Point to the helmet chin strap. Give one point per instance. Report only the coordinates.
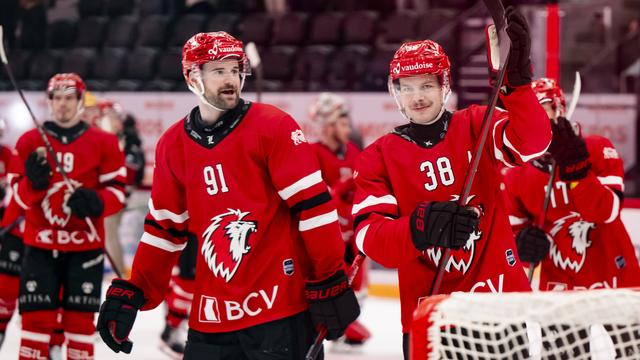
(199, 90)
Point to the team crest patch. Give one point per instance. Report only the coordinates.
(298, 137)
(54, 205)
(226, 242)
(511, 259)
(287, 267)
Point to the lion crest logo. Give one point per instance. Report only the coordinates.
(570, 227)
(226, 241)
(54, 205)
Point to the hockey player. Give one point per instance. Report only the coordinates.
(242, 178)
(63, 260)
(408, 181)
(337, 156)
(583, 243)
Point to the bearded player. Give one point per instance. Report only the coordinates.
(582, 244)
(242, 178)
(63, 259)
(407, 182)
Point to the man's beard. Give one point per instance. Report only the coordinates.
(218, 101)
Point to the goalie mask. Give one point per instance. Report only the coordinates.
(328, 108)
(212, 46)
(417, 58)
(547, 90)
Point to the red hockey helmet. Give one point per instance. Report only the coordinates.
(547, 90)
(419, 58)
(66, 82)
(211, 46)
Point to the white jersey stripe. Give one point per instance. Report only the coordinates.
(17, 197)
(374, 200)
(164, 214)
(615, 208)
(317, 221)
(302, 184)
(514, 220)
(122, 171)
(119, 194)
(524, 158)
(161, 243)
(81, 338)
(360, 238)
(33, 336)
(611, 180)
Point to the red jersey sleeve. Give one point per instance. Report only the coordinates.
(525, 132)
(165, 229)
(379, 233)
(112, 176)
(519, 215)
(295, 173)
(23, 193)
(597, 197)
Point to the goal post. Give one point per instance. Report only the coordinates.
(591, 324)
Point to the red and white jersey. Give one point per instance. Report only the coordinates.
(5, 158)
(255, 199)
(394, 174)
(92, 159)
(590, 246)
(12, 211)
(337, 172)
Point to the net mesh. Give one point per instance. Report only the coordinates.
(597, 324)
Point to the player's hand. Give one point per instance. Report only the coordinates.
(569, 150)
(118, 313)
(533, 244)
(85, 203)
(442, 223)
(332, 304)
(519, 70)
(37, 170)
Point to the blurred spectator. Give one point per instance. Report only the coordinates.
(276, 7)
(33, 24)
(8, 19)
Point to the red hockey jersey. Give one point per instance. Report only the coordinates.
(92, 159)
(255, 199)
(337, 172)
(5, 158)
(590, 247)
(394, 174)
(13, 211)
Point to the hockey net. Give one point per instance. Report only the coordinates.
(594, 324)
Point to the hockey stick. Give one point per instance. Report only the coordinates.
(575, 95)
(256, 64)
(65, 177)
(315, 348)
(497, 14)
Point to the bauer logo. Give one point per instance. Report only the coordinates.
(287, 266)
(209, 312)
(511, 259)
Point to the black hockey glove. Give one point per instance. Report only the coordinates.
(85, 203)
(442, 223)
(569, 150)
(38, 171)
(533, 244)
(332, 304)
(118, 313)
(519, 70)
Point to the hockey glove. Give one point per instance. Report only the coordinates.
(85, 203)
(38, 171)
(569, 151)
(332, 304)
(118, 313)
(519, 70)
(533, 244)
(442, 223)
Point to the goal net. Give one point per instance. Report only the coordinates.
(594, 324)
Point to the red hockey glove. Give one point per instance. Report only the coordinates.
(442, 223)
(332, 304)
(85, 203)
(118, 313)
(519, 70)
(569, 151)
(533, 244)
(38, 171)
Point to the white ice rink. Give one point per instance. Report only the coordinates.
(381, 316)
